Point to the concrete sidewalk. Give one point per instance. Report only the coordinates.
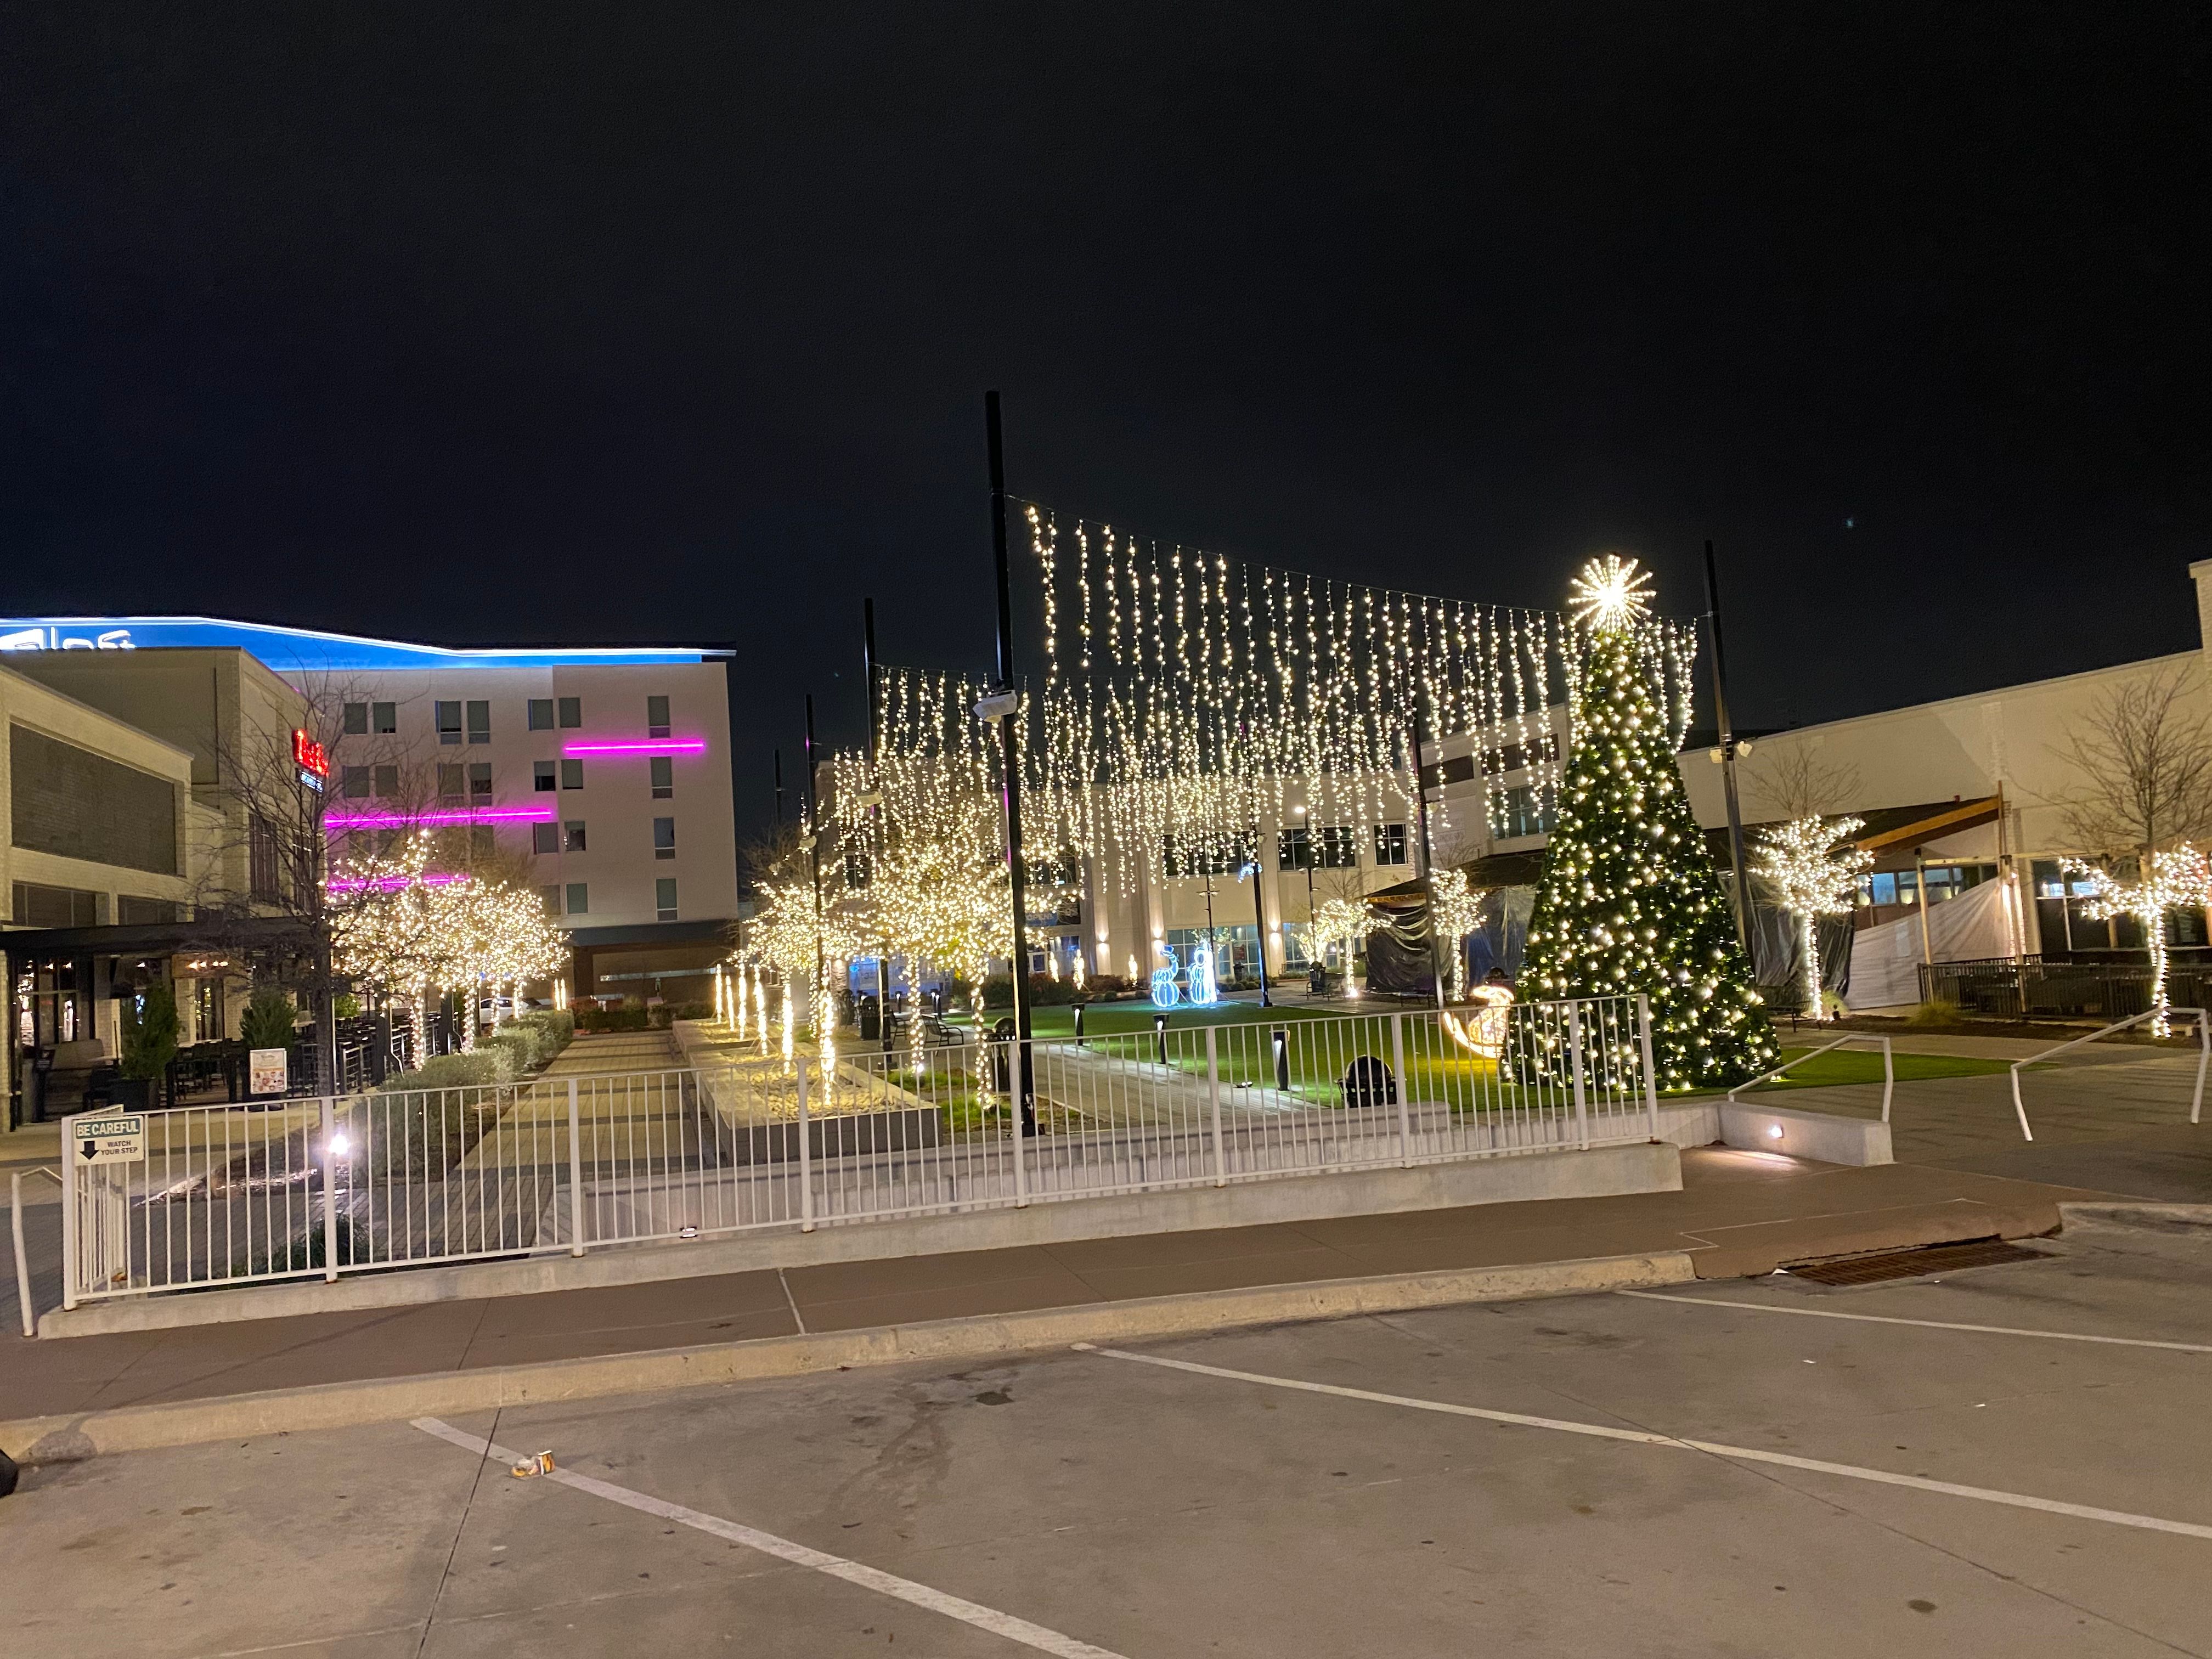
(1738, 1213)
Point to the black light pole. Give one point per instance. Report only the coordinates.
(1727, 754)
(875, 782)
(814, 848)
(779, 787)
(1428, 859)
(1009, 726)
(1260, 925)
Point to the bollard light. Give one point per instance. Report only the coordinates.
(1282, 1060)
(1160, 1036)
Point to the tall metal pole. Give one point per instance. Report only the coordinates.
(1740, 876)
(779, 787)
(1428, 858)
(1259, 929)
(876, 783)
(814, 839)
(1011, 749)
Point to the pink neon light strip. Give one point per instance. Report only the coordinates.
(401, 821)
(665, 746)
(392, 883)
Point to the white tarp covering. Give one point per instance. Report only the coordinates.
(1886, 960)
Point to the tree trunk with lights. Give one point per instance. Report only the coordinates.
(1630, 900)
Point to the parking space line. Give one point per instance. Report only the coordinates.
(836, 1566)
(1930, 1324)
(1644, 1437)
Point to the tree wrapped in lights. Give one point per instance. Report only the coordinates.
(404, 932)
(1454, 911)
(1813, 870)
(1629, 902)
(1339, 921)
(2176, 880)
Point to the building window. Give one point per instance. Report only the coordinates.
(452, 782)
(479, 783)
(664, 777)
(1182, 858)
(572, 775)
(449, 721)
(857, 871)
(355, 723)
(384, 718)
(551, 895)
(572, 836)
(1294, 848)
(544, 838)
(1523, 809)
(353, 782)
(1339, 847)
(479, 722)
(263, 866)
(387, 782)
(664, 844)
(572, 712)
(1389, 844)
(541, 713)
(55, 907)
(664, 898)
(580, 898)
(1518, 757)
(483, 840)
(656, 717)
(542, 776)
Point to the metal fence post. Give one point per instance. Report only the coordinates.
(1575, 1059)
(1017, 1067)
(68, 1213)
(22, 1262)
(1214, 1106)
(1399, 1089)
(2204, 1058)
(1651, 1071)
(329, 1192)
(576, 1176)
(805, 1158)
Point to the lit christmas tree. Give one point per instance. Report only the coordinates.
(1630, 900)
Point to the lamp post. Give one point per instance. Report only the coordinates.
(1260, 927)
(1728, 750)
(875, 782)
(1005, 706)
(814, 850)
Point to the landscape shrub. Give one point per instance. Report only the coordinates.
(268, 1020)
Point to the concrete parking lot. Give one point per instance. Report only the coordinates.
(1720, 1470)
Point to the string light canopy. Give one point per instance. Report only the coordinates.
(1187, 698)
(1813, 870)
(2178, 879)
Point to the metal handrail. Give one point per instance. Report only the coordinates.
(2204, 1058)
(22, 1262)
(1889, 1067)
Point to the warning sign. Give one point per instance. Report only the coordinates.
(110, 1139)
(265, 1071)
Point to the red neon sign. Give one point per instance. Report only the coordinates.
(310, 755)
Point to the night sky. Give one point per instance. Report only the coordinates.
(546, 324)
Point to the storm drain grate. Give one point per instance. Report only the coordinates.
(1915, 1263)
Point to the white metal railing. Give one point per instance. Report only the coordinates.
(2204, 1058)
(22, 1260)
(742, 1141)
(1888, 1067)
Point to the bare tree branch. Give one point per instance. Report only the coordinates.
(2143, 757)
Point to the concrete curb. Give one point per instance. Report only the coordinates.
(380, 1400)
(2131, 1216)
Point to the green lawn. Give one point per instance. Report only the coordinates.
(1864, 1066)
